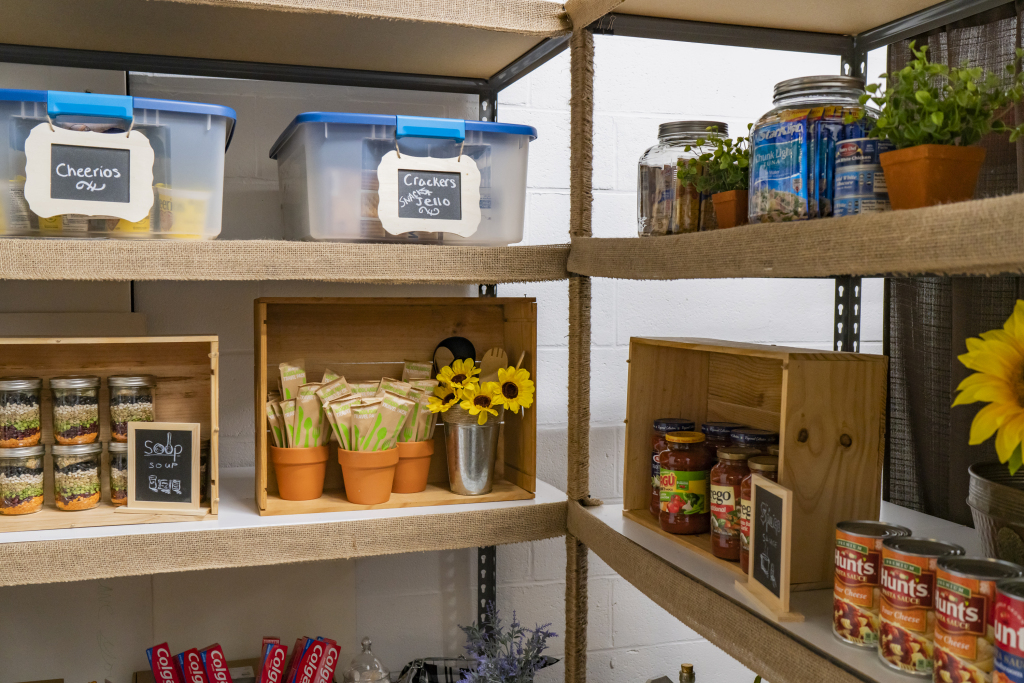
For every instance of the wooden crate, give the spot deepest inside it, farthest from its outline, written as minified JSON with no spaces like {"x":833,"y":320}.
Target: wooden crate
{"x":366,"y":339}
{"x":186,"y":372}
{"x":814,"y":399}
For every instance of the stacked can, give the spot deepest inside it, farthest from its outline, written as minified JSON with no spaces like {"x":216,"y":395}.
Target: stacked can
{"x":859,"y":181}
{"x":1008,"y":632}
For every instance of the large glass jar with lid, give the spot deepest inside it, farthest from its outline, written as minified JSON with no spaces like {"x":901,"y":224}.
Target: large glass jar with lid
{"x":131,"y":400}
{"x":19,"y":411}
{"x":76,"y":475}
{"x":21,"y":480}
{"x":76,"y":409}
{"x":663,"y":207}
{"x":793,"y":147}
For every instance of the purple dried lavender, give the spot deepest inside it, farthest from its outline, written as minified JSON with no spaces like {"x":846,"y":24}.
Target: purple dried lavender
{"x":505,"y":656}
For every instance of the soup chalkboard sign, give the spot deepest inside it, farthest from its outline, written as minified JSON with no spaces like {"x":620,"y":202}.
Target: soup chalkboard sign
{"x":771,"y":530}
{"x":163,"y":466}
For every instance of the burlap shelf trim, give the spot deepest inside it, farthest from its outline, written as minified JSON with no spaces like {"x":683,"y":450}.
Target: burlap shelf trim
{"x":40,"y":259}
{"x":144,"y":554}
{"x":750,"y":639}
{"x":525,"y":17}
{"x":983,"y":237}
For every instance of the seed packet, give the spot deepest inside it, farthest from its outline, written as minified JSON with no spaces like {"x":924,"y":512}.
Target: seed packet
{"x":288,"y":420}
{"x":333,"y":390}
{"x":275,"y":426}
{"x":427,"y":385}
{"x":329,"y":376}
{"x":419,"y":425}
{"x":394,"y":386}
{"x":293,"y":375}
{"x":340,"y":414}
{"x":308,"y":417}
{"x":365,"y":421}
{"x":394,"y":410}
{"x":417,"y":370}
{"x":364,"y":389}
{"x":778,"y":180}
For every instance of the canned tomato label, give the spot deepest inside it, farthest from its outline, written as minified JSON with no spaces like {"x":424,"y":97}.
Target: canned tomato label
{"x":856,"y":597}
{"x":1008,"y":632}
{"x":965,"y":595}
{"x":907,"y":609}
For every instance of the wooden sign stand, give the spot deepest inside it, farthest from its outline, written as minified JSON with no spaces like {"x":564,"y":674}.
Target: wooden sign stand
{"x":767,"y":583}
{"x":136,"y":505}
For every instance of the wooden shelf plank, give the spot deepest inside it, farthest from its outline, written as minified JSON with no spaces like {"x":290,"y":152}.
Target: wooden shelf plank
{"x":335,"y":501}
{"x":240,"y":537}
{"x":695,"y":590}
{"x":982,"y":237}
{"x":61,"y":259}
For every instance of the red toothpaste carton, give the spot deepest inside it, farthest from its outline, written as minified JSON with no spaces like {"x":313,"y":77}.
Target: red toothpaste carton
{"x":190,"y":663}
{"x":310,"y":663}
{"x":272,"y":668}
{"x":161,"y":662}
{"x":215,"y":664}
{"x":267,"y":642}
{"x":298,"y":652}
{"x":329,"y":662}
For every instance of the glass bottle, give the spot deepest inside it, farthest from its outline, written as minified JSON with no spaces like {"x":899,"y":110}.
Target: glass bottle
{"x":365,"y":667}
{"x":663,"y":207}
{"x":21,"y":480}
{"x":76,"y":409}
{"x":131,"y":400}
{"x":768,"y":467}
{"x":19,"y":411}
{"x":726,"y":477}
{"x":685,"y":468}
{"x":76,"y":475}
{"x":662,"y":426}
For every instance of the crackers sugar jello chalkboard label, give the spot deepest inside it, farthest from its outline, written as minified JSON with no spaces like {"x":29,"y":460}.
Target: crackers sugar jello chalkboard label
{"x":429,"y":194}
{"x":163,"y":464}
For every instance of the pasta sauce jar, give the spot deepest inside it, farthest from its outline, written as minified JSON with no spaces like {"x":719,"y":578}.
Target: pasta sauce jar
{"x":760,"y":439}
{"x":726,"y":478}
{"x":907,"y":609}
{"x":717,"y":435}
{"x":766,"y":466}
{"x":662,"y":426}
{"x":965,"y":595}
{"x":1008,"y":629}
{"x":685,"y":468}
{"x":858,"y":592}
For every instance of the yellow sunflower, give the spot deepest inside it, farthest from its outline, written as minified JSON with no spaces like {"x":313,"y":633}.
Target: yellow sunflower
{"x":461,"y":373}
{"x":479,"y":400}
{"x":515,"y":389}
{"x":998,"y":358}
{"x":443,"y":399}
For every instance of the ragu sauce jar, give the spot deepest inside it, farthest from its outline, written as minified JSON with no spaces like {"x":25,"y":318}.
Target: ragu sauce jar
{"x":685,"y":468}
{"x":726,"y":479}
{"x":858,"y":591}
{"x":965,"y":595}
{"x":766,"y":466}
{"x":907,"y":610}
{"x":1008,"y":629}
{"x":662,"y":426}
{"x":717,"y":435}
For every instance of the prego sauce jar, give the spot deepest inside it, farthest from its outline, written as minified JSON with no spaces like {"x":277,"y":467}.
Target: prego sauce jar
{"x":131,"y":400}
{"x":19,"y":411}
{"x":717,"y":435}
{"x":76,"y":409}
{"x":685,"y":468}
{"x":662,"y":426}
{"x":726,"y":479}
{"x":768,"y":467}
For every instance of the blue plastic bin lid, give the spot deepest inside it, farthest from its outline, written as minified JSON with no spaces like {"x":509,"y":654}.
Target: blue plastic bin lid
{"x":10,"y":95}
{"x":381,"y":120}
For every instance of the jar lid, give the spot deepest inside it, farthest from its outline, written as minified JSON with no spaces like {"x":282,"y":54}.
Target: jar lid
{"x":74,"y":382}
{"x":117,"y":446}
{"x":131,"y":381}
{"x":810,"y":85}
{"x":366,"y":667}
{"x":77,"y":449}
{"x":719,"y":428}
{"x":737,"y":453}
{"x":762,"y":463}
{"x":754,"y":436}
{"x":673,"y":424}
{"x":22,"y":452}
{"x":684,"y":437}
{"x":20,"y":383}
{"x":692,"y":128}
{"x":773,"y":450}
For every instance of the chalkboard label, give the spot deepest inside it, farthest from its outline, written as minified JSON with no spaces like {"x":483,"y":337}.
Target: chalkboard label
{"x":92,"y":174}
{"x":429,"y":194}
{"x":771,"y":528}
{"x":163,"y":464}
{"x":766,"y":555}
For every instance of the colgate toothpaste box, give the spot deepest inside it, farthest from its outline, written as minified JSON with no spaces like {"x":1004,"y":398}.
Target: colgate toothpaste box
{"x":272,"y":667}
{"x":215,"y":664}
{"x":161,"y":663}
{"x":309,"y":665}
{"x":267,"y":642}
{"x":190,"y":664}
{"x":325,"y":672}
{"x":298,"y":652}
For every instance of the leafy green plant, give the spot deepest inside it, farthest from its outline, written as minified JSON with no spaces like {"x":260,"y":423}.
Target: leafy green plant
{"x":723,"y":164}
{"x":925,"y":103}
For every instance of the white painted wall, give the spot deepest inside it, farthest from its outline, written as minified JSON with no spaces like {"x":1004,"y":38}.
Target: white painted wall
{"x":411,"y":604}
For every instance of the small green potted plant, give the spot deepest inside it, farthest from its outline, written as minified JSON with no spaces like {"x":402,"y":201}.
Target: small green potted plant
{"x":935,"y":116}
{"x":723,"y":172}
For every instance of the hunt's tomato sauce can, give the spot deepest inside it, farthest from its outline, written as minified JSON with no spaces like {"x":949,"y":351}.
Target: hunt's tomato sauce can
{"x":857,"y":589}
{"x":965,"y":594}
{"x":907,"y":610}
{"x":1008,"y":631}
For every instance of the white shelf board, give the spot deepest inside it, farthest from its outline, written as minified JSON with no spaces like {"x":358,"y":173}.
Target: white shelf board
{"x":816,"y":606}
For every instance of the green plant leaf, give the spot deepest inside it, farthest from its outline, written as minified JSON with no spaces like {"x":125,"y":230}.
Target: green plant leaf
{"x":1015,"y":460}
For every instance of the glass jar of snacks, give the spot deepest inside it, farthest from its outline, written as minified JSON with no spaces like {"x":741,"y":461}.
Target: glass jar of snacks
{"x":76,"y":476}
{"x":131,"y":400}
{"x":726,"y":477}
{"x":766,"y":466}
{"x":717,"y":435}
{"x":662,"y":426}
{"x":19,"y":411}
{"x":793,"y":147}
{"x":760,"y":439}
{"x":76,"y":409}
{"x":663,"y":206}
{"x":118,"y":451}
{"x":685,"y":468}
{"x":21,"y":480}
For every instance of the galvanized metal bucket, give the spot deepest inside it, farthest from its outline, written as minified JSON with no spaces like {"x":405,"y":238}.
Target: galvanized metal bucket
{"x":472,"y":450}
{"x":997,"y":504}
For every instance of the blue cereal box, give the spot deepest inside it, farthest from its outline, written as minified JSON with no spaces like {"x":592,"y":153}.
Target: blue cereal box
{"x":779,"y":170}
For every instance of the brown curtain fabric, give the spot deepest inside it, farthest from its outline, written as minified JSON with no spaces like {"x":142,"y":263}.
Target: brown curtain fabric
{"x":929,"y":318}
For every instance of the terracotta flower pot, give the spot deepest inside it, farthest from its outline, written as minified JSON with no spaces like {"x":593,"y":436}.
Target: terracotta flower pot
{"x":300,"y":471}
{"x":731,"y":208}
{"x":368,"y":475}
{"x":413,"y":466}
{"x":927,"y":175}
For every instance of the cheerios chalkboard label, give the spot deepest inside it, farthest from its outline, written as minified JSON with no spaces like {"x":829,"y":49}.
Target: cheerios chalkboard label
{"x":429,"y":194}
{"x":91,"y":174}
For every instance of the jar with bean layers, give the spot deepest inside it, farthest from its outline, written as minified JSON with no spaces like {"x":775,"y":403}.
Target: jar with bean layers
{"x":20,"y":423}
{"x":76,"y":476}
{"x":76,"y":409}
{"x":131,"y":400}
{"x":118,"y":451}
{"x":662,"y":426}
{"x":21,"y":480}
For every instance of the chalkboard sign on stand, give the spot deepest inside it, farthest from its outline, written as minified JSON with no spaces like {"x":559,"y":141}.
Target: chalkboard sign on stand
{"x":771,"y":535}
{"x":163,"y":467}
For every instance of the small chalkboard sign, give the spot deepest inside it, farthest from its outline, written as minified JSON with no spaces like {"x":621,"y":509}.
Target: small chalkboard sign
{"x":163,"y":466}
{"x":91,"y":174}
{"x":428,"y":194}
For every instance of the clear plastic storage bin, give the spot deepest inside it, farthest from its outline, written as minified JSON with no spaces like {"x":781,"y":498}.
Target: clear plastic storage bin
{"x":188,"y":139}
{"x":327,"y":168}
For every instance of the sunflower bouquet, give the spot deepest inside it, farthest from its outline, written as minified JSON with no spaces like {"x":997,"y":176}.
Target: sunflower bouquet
{"x":460,"y":389}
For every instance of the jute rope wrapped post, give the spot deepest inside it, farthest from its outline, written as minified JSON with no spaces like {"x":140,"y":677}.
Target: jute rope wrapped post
{"x":581,"y":47}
